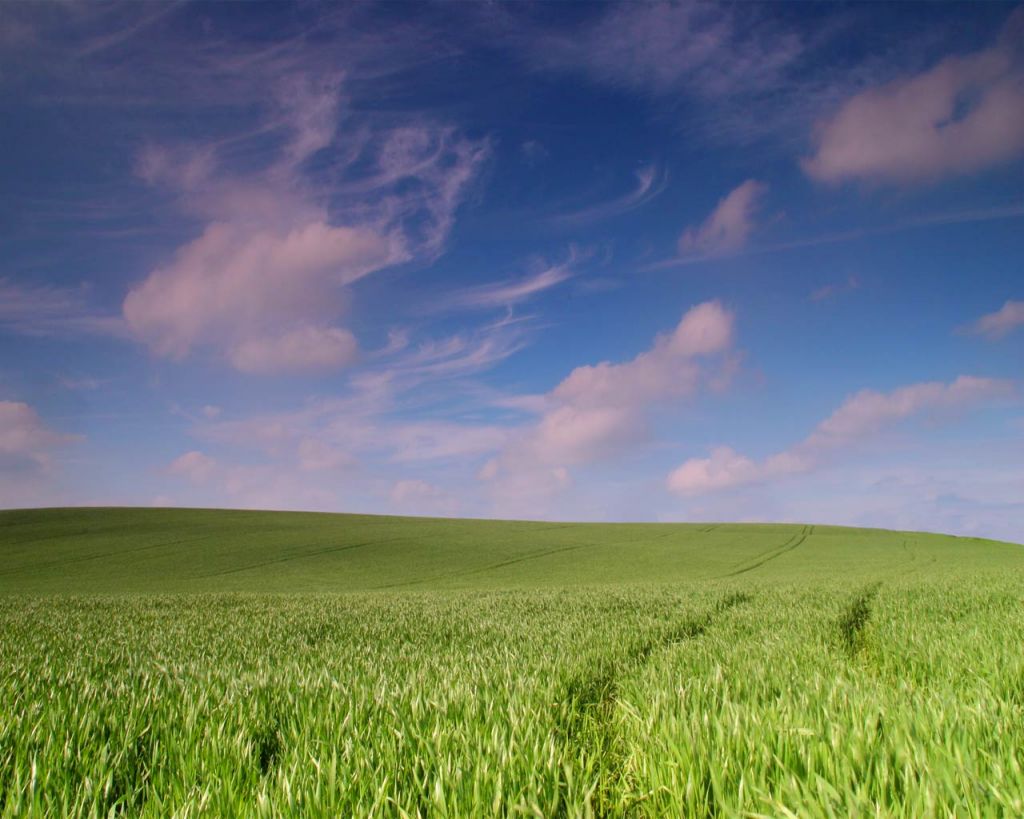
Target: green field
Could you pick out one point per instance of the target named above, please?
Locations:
(204, 662)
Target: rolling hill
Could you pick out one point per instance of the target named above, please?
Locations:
(99, 550)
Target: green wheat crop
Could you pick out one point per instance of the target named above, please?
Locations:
(204, 663)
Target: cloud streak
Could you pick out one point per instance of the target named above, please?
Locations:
(53, 311)
(510, 292)
(650, 182)
(860, 416)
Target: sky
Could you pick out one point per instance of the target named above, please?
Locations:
(610, 262)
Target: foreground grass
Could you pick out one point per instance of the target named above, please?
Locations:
(891, 685)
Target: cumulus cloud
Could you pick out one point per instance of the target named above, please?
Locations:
(964, 114)
(860, 416)
(1000, 323)
(195, 466)
(266, 281)
(597, 410)
(26, 442)
(256, 486)
(235, 281)
(28, 476)
(729, 225)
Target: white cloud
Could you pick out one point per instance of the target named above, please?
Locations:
(235, 283)
(255, 486)
(650, 181)
(267, 280)
(304, 348)
(52, 311)
(435, 167)
(317, 455)
(736, 66)
(729, 225)
(439, 440)
(417, 496)
(334, 432)
(961, 116)
(831, 291)
(195, 466)
(29, 474)
(84, 384)
(510, 292)
(597, 410)
(666, 48)
(725, 468)
(1000, 323)
(26, 442)
(310, 109)
(860, 416)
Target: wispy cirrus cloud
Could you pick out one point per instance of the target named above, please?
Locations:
(998, 324)
(860, 416)
(510, 292)
(32, 309)
(651, 180)
(387, 423)
(667, 48)
(297, 189)
(929, 220)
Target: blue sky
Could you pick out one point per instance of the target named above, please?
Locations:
(573, 261)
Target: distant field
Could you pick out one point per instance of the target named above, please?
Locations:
(123, 551)
(204, 662)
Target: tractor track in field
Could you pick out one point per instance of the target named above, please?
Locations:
(774, 552)
(487, 568)
(855, 618)
(914, 563)
(333, 549)
(587, 724)
(330, 550)
(503, 563)
(97, 556)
